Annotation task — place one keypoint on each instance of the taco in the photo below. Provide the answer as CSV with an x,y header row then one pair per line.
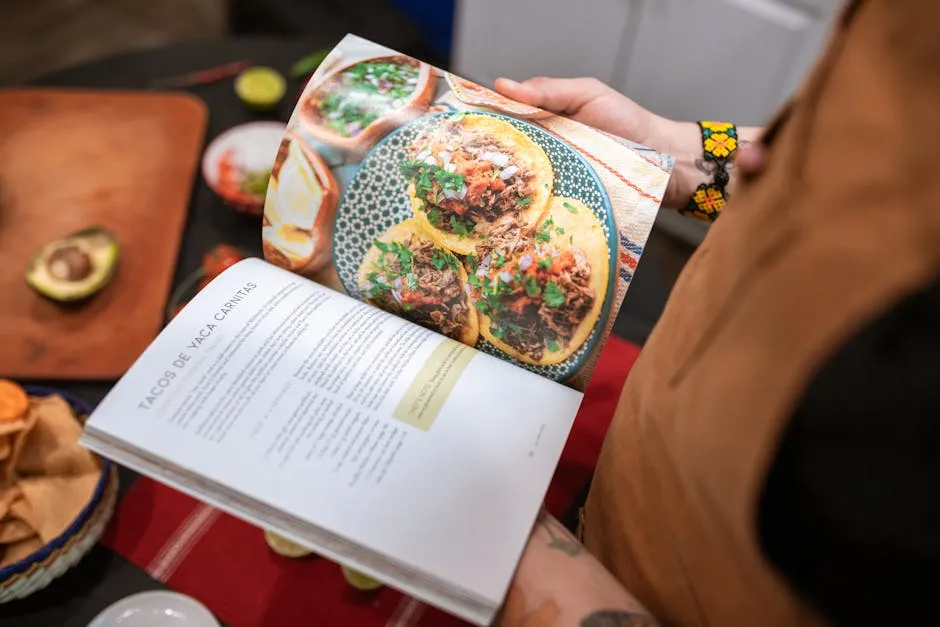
x,y
298,213
540,297
475,95
355,106
472,174
407,273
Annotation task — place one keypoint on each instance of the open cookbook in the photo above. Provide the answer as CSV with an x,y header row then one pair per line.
x,y
393,385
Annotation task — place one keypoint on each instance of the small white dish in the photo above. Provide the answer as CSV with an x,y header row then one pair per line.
x,y
158,608
249,147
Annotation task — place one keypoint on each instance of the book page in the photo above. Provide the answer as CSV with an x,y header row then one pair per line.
x,y
401,440
498,224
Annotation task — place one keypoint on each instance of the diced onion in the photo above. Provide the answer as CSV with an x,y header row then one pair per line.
x,y
509,172
462,193
398,283
451,167
485,262
505,277
451,193
424,154
525,262
430,160
496,158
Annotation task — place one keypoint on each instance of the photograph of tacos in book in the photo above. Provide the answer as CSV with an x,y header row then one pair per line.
x,y
355,106
406,273
473,174
299,209
540,297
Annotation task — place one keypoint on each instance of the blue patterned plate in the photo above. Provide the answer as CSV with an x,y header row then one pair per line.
x,y
377,199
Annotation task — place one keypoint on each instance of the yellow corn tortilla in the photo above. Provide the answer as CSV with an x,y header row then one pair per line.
x,y
400,233
581,230
529,156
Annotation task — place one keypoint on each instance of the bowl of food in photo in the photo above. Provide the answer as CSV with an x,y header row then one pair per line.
x,y
237,164
475,95
47,471
301,204
355,106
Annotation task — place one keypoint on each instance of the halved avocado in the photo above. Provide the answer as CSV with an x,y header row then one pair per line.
x,y
74,267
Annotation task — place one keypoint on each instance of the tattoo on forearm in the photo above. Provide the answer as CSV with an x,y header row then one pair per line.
x,y
560,540
617,618
516,613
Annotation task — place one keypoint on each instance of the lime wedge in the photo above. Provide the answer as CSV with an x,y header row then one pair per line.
x,y
260,87
283,546
359,581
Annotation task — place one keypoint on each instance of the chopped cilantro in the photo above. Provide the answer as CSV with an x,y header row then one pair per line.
x,y
424,176
571,208
553,346
532,287
544,232
441,259
522,202
517,277
493,302
377,287
546,263
560,230
411,281
500,260
497,332
474,281
407,306
553,296
460,227
434,216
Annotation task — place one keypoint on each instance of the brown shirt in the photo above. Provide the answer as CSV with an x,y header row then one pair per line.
x,y
843,225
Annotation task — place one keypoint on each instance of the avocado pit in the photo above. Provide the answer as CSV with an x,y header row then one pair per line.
x,y
74,267
69,263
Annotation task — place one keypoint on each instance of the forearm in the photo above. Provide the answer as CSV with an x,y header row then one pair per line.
x,y
559,584
690,171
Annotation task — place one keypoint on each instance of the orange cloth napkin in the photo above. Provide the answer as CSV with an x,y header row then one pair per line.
x,y
46,478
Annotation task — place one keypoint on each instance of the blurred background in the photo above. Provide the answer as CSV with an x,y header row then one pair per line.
x,y
687,59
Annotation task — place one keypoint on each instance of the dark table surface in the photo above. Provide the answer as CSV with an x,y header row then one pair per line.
x,y
104,577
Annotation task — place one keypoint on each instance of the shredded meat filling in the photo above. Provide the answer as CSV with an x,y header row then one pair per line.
x,y
541,306
469,178
427,295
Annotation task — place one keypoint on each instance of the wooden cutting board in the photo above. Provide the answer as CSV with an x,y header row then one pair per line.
x,y
71,159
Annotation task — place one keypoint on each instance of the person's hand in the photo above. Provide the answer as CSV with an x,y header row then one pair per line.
x,y
590,101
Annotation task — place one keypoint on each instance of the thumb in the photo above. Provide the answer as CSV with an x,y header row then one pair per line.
x,y
560,95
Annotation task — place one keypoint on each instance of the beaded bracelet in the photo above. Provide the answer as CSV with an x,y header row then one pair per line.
x,y
720,143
